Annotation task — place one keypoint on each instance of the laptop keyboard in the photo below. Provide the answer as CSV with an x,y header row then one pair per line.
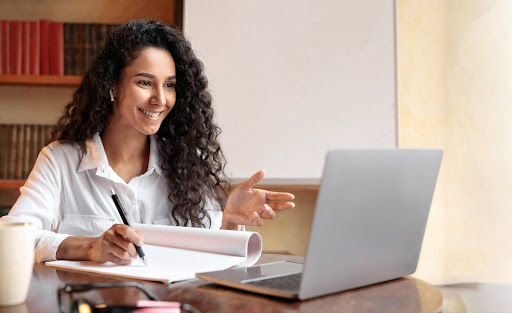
x,y
285,283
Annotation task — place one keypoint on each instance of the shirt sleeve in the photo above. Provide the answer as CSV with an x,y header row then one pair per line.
x,y
39,204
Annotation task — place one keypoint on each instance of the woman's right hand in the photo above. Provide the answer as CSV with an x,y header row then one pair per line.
x,y
116,245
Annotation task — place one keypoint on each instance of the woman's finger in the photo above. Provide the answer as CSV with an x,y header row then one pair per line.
x,y
118,251
254,180
117,260
278,196
124,244
269,212
256,219
281,206
130,234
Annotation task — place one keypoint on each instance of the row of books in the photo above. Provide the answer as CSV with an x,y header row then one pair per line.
x,y
20,145
47,47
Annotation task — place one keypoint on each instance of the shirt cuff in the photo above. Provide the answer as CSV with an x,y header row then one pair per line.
x,y
47,243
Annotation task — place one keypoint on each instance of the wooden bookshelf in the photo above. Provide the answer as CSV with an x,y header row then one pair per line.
x,y
43,80
11,183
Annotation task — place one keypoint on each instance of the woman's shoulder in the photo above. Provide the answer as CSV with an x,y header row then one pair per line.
x,y
59,149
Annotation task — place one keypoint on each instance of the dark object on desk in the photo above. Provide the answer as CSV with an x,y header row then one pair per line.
x,y
82,306
368,227
120,209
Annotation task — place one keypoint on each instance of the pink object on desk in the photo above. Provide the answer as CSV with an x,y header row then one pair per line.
x,y
158,307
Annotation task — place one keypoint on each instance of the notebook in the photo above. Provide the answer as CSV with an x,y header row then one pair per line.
x,y
368,226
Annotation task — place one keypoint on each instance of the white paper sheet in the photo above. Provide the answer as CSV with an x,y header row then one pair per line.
x,y
178,253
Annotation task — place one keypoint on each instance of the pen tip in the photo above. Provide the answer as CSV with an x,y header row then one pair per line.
x,y
112,191
144,260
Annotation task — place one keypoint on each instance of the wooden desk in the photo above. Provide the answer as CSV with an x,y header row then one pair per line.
x,y
401,295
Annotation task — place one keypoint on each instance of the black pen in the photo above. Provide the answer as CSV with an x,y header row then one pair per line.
x,y
119,207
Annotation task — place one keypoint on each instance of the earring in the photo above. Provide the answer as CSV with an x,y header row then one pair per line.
x,y
111,94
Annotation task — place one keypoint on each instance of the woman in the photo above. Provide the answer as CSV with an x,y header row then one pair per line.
x,y
140,123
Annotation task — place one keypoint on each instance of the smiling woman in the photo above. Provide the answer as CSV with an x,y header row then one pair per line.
x,y
141,123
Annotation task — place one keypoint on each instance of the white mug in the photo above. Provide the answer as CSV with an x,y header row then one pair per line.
x,y
16,261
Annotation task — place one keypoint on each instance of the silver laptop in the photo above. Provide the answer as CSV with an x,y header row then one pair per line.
x,y
368,227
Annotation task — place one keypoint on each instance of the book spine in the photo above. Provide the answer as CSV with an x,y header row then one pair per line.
x,y
68,54
48,134
16,47
5,137
25,48
26,151
80,48
20,143
101,35
42,142
1,47
74,47
56,48
35,48
6,47
87,47
34,150
11,163
93,37
44,30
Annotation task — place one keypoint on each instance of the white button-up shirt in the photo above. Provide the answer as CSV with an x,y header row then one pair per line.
x,y
67,194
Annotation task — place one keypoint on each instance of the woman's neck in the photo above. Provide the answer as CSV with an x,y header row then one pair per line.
x,y
127,152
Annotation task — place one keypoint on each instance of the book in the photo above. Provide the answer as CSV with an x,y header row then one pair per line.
x,y
25,48
80,49
44,31
47,135
87,47
178,253
4,47
5,137
26,152
56,48
35,48
16,33
20,143
11,162
68,54
35,148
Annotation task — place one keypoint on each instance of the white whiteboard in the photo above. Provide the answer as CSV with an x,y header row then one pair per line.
x,y
292,78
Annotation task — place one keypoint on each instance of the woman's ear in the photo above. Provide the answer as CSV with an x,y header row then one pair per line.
x,y
111,91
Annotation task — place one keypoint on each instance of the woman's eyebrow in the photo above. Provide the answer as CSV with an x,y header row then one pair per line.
x,y
153,76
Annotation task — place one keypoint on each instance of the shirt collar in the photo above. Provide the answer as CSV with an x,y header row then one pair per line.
x,y
154,156
95,156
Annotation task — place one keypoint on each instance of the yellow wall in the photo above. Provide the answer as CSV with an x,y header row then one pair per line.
x,y
455,61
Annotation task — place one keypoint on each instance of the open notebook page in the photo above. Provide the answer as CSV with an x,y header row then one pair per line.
x,y
168,264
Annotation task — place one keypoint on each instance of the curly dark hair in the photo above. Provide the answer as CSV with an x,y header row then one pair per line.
x,y
192,159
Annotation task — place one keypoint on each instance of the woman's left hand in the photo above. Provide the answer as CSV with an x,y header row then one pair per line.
x,y
248,206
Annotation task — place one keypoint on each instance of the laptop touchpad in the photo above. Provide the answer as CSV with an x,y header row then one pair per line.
x,y
270,270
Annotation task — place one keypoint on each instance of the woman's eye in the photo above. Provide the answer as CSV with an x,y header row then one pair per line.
x,y
170,85
145,83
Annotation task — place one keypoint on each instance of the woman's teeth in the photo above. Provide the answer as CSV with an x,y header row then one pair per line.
x,y
150,114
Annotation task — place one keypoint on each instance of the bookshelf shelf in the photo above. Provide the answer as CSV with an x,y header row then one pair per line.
x,y
11,183
42,80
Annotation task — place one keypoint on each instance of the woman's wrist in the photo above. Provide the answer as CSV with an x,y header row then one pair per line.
x,y
75,248
229,225
227,221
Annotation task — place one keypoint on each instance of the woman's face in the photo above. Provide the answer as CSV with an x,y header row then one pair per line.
x,y
145,93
